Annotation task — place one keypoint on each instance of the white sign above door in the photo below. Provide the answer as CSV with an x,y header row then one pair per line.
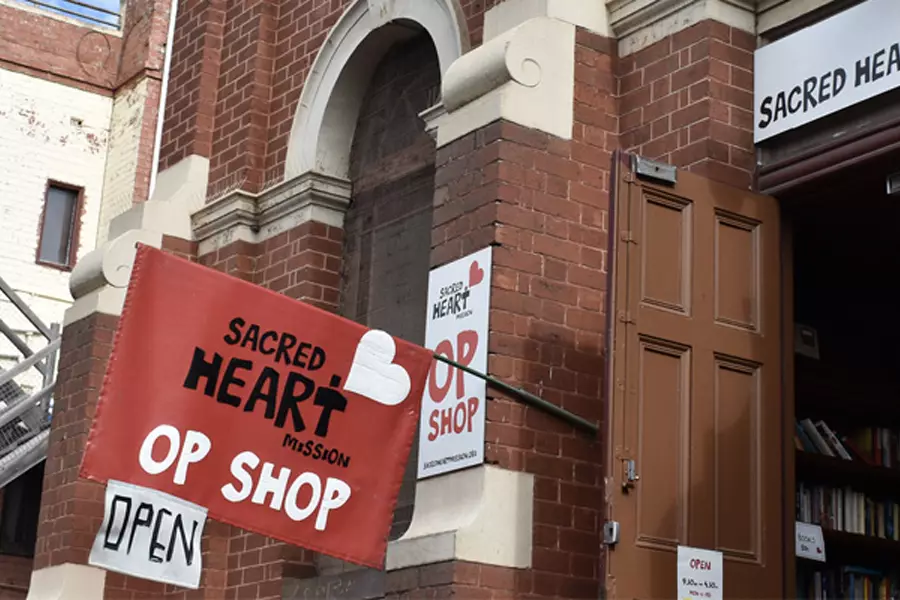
x,y
826,67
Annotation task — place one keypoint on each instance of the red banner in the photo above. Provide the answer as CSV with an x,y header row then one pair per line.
x,y
276,416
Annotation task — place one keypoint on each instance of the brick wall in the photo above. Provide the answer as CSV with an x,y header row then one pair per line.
x,y
39,141
458,579
244,91
144,34
542,202
15,572
15,575
31,42
302,263
72,508
260,54
193,81
688,100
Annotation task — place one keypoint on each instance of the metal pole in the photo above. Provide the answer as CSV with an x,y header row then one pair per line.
x,y
50,366
526,397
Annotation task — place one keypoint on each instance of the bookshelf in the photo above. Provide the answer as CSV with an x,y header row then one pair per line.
x,y
847,467
832,471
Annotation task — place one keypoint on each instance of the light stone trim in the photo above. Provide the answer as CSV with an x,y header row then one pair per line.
x,y
99,281
254,218
589,14
638,24
67,581
431,116
325,121
775,13
185,182
482,515
525,75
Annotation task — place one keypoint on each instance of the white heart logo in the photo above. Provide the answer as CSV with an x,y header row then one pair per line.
x,y
373,373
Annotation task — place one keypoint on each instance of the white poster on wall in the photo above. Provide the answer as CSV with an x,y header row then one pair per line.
x,y
150,534
451,436
700,574
826,67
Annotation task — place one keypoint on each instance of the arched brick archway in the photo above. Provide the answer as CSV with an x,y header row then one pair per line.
x,y
358,121
324,124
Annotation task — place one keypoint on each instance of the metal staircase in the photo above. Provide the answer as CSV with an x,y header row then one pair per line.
x,y
26,390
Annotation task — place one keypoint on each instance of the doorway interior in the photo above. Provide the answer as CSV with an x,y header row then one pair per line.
x,y
843,261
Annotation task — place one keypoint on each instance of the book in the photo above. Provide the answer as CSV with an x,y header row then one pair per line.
x,y
816,437
833,440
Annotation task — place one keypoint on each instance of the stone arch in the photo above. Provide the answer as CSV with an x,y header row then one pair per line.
x,y
324,123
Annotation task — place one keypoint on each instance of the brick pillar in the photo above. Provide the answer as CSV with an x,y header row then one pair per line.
x,y
191,96
72,508
688,100
242,107
541,201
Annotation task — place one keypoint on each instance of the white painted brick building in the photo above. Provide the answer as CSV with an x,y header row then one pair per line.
x,y
48,132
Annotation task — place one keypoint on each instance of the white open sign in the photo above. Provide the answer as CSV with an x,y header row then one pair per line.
x,y
151,535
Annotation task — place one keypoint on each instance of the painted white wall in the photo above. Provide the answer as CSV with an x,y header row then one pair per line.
x,y
126,123
47,131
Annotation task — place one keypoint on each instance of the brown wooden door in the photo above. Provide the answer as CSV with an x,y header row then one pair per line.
x,y
695,384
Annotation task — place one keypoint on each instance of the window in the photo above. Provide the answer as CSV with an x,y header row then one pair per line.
x,y
20,513
58,239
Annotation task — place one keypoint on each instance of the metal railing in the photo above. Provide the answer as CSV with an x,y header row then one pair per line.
x,y
24,414
94,13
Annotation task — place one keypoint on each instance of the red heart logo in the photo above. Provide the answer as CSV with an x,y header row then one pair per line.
x,y
476,274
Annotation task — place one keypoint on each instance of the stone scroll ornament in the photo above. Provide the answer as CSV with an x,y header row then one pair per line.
x,y
270,414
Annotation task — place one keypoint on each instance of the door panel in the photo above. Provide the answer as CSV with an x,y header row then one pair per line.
x,y
696,384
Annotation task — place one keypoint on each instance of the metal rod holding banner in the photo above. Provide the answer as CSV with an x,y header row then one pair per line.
x,y
526,397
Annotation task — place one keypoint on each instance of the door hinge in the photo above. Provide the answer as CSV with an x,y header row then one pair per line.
x,y
630,476
627,237
625,317
611,533
655,170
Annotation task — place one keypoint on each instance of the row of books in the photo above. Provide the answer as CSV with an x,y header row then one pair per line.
x,y
876,446
844,509
850,583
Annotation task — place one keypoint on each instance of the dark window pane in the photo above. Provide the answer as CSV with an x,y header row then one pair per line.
x,y
59,219
20,513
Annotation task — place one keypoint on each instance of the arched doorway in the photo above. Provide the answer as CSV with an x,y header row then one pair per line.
x,y
358,120
387,230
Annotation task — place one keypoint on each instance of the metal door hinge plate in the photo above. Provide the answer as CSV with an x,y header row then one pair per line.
x,y
611,533
657,171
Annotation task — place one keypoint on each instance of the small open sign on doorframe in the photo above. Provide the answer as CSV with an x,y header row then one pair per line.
x,y
810,542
